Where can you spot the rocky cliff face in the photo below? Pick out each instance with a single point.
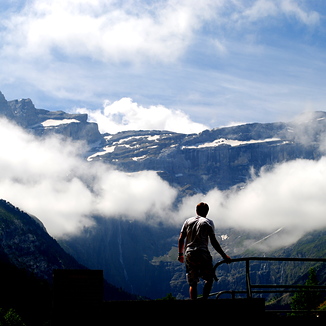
(220, 158)
(44, 122)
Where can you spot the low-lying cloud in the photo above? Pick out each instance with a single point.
(125, 114)
(50, 179)
(290, 199)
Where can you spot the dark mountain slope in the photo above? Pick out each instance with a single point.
(26, 244)
(125, 250)
(28, 256)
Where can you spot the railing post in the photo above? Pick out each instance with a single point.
(248, 282)
(271, 288)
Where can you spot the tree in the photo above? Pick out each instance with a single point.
(307, 299)
(169, 297)
(10, 318)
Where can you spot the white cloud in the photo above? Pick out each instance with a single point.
(48, 179)
(259, 10)
(33, 178)
(140, 196)
(107, 30)
(291, 7)
(263, 9)
(131, 30)
(290, 197)
(127, 115)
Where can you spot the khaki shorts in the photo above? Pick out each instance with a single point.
(199, 264)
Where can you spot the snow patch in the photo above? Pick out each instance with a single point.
(55, 123)
(231, 142)
(139, 158)
(107, 149)
(155, 137)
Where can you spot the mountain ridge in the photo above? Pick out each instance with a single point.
(43, 122)
(221, 157)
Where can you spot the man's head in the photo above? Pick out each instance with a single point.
(202, 209)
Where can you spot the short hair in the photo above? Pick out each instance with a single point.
(202, 209)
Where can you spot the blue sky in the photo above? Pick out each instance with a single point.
(180, 65)
(205, 63)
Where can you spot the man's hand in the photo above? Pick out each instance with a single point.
(181, 258)
(181, 247)
(227, 259)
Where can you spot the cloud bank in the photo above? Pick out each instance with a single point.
(108, 30)
(289, 198)
(127, 115)
(49, 179)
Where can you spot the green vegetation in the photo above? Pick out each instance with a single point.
(9, 317)
(169, 297)
(307, 299)
(171, 256)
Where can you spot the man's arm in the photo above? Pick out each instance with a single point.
(181, 247)
(217, 247)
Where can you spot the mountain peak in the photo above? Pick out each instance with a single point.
(2, 98)
(4, 108)
(43, 122)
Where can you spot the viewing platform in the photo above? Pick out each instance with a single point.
(78, 300)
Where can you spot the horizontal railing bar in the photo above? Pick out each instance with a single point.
(283, 286)
(274, 291)
(255, 291)
(321, 260)
(270, 311)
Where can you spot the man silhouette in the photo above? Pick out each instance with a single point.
(199, 264)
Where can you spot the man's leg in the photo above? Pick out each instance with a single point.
(192, 275)
(193, 291)
(207, 288)
(208, 274)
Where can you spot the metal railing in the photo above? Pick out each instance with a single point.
(268, 288)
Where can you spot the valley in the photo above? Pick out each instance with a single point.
(242, 171)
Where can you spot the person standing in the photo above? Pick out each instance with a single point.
(193, 250)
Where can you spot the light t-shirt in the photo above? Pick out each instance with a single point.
(197, 231)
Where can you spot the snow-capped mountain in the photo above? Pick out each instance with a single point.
(220, 157)
(43, 122)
